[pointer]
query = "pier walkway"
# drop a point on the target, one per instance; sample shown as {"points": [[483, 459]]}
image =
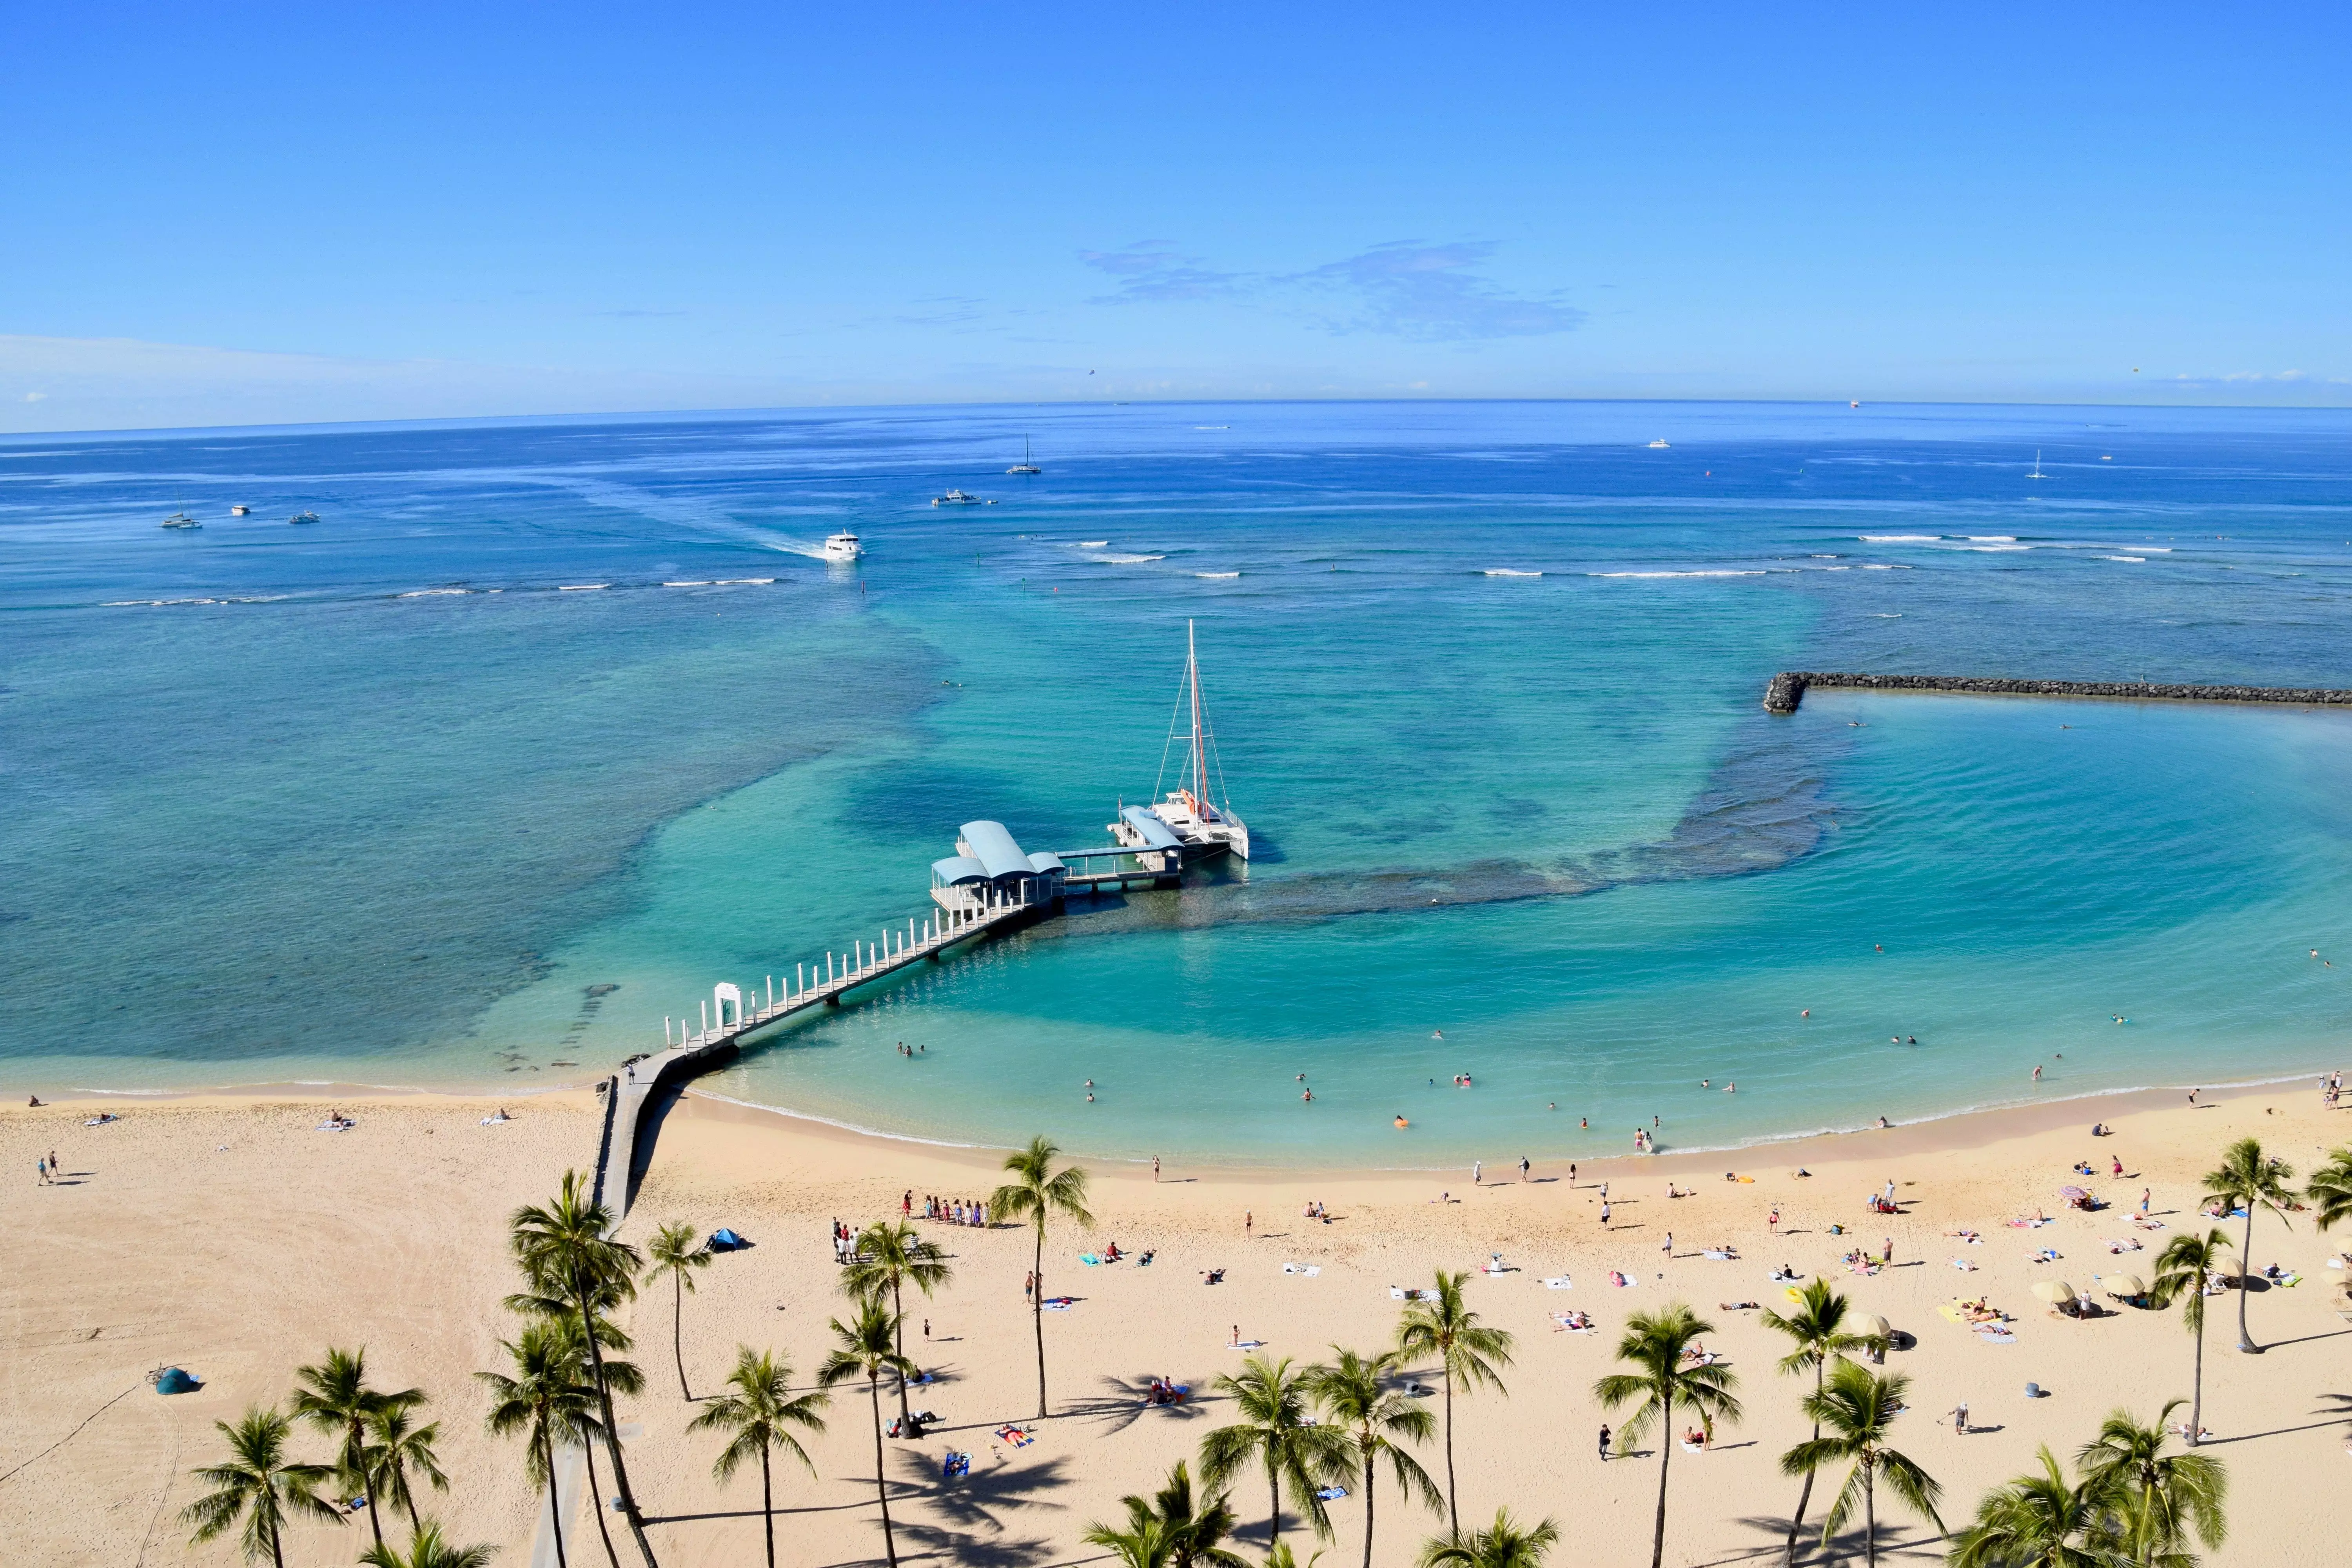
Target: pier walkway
{"points": [[728, 1019]]}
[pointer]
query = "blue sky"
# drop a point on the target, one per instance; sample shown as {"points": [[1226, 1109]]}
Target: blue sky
{"points": [[246, 214]]}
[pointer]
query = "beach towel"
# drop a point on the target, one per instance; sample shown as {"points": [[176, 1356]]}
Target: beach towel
{"points": [[1964, 1265], [1721, 1255], [496, 1120], [1559, 1282], [1088, 1258], [1058, 1303], [1618, 1279], [1405, 1293], [1993, 1335], [955, 1465], [1245, 1344], [1560, 1324], [1332, 1494], [1018, 1436]]}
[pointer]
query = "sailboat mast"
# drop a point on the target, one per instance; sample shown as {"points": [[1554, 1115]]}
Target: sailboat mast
{"points": [[1192, 679]]}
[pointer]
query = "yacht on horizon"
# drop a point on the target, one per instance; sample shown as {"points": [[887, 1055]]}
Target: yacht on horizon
{"points": [[1025, 466], [960, 498], [842, 546], [2037, 473]]}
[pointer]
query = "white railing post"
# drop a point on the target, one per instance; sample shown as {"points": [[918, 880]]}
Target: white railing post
{"points": [[706, 1015]]}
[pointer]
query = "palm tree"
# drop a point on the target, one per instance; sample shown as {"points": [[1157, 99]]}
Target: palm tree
{"points": [[1816, 1330], [623, 1377], [2246, 1175], [758, 1412], [334, 1397], [1037, 1193], [1858, 1406], [891, 1255], [565, 1247], [866, 1347], [1280, 1555], [2168, 1495], [677, 1251], [544, 1399], [1655, 1342], [428, 1549], [394, 1448], [2180, 1272], [258, 1485], [1276, 1431], [1468, 1353], [2040, 1522], [2331, 1188], [1191, 1535], [1144, 1543], [1506, 1545], [1352, 1393]]}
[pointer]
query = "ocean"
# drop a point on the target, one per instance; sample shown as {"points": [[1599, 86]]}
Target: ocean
{"points": [[546, 726]]}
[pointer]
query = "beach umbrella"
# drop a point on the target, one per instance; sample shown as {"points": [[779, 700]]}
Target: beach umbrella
{"points": [[2231, 1268], [2072, 1193], [2054, 1291], [2125, 1285], [1871, 1326]]}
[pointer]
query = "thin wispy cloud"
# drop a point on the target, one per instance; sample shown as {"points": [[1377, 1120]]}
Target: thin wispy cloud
{"points": [[631, 315], [1404, 288], [942, 310]]}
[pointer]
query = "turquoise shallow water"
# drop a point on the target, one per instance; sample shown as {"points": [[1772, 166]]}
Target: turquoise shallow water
{"points": [[313, 816]]}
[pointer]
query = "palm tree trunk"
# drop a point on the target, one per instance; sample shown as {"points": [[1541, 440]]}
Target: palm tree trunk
{"points": [[1452, 1514], [1666, 1457], [2245, 1342], [1805, 1492], [889, 1546], [2197, 1383], [554, 1505], [677, 1331], [357, 1444], [1870, 1515], [1037, 1310], [277, 1553], [898, 1329], [1273, 1504], [767, 1507], [596, 1495], [1368, 1510], [611, 1429]]}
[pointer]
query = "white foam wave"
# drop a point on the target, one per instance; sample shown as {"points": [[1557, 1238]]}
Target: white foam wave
{"points": [[430, 593], [741, 581], [1900, 538], [2136, 560], [1994, 549], [1727, 573], [703, 583], [1991, 538], [1507, 571], [1126, 560], [1217, 577], [580, 587], [1094, 544]]}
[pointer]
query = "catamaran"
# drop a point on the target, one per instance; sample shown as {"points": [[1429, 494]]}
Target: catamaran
{"points": [[1186, 820], [1026, 466], [2037, 473]]}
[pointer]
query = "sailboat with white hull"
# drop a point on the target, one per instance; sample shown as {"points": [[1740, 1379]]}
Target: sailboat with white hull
{"points": [[1188, 820]]}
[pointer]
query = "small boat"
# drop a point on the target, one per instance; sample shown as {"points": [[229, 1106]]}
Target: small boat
{"points": [[1853, 402], [181, 520], [1025, 466], [2037, 473], [1658, 445], [960, 498], [1186, 823], [239, 510], [301, 517], [842, 546]]}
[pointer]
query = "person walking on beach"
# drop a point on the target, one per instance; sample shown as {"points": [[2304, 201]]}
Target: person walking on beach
{"points": [[1886, 1246], [1028, 1285], [1155, 1167], [1249, 1224], [1605, 1214], [1571, 1173], [1960, 1420], [41, 1169], [2144, 1193], [1772, 1220], [1604, 1442], [1669, 1247], [1523, 1167]]}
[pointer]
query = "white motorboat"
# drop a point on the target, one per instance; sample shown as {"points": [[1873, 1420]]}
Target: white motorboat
{"points": [[302, 517], [239, 510], [1198, 827], [842, 546], [960, 498], [1659, 444], [1025, 466]]}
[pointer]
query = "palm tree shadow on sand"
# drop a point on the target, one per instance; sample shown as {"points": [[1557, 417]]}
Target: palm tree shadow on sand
{"points": [[1899, 1543], [964, 1521], [1123, 1401]]}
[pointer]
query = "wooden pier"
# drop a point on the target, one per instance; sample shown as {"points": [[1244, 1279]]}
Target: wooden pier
{"points": [[728, 1018]]}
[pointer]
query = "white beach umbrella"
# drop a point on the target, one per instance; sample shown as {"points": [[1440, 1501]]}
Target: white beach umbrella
{"points": [[2231, 1268], [2125, 1285], [1871, 1326], [2054, 1291]]}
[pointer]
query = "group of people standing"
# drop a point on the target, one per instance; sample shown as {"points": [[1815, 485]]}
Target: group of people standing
{"points": [[946, 1211]]}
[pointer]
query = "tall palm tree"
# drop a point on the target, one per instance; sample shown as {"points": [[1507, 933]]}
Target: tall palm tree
{"points": [[1276, 1431], [1468, 1353], [2180, 1272], [1858, 1406], [1816, 1330], [428, 1548], [394, 1448], [1655, 1342], [1353, 1394], [1192, 1535], [677, 1251], [2040, 1521], [2168, 1496], [2331, 1188], [544, 1399], [623, 1377], [1037, 1193], [759, 1412], [2247, 1175], [867, 1346], [889, 1257], [1280, 1555], [258, 1485], [565, 1247], [1505, 1545], [334, 1397]]}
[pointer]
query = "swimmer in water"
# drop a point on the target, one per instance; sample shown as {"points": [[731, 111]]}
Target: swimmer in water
{"points": [[1308, 1097], [1436, 1034], [2037, 1075], [1806, 1014], [1401, 1122], [1731, 1088]]}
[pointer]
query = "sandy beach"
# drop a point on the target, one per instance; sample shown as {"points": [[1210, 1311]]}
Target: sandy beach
{"points": [[231, 1237]]}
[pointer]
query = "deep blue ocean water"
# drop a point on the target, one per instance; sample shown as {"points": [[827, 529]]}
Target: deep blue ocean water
{"points": [[377, 801]]}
